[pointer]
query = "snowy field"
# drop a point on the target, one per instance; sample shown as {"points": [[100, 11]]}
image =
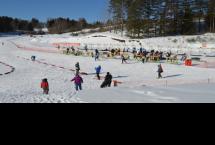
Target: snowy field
{"points": [[3, 69], [139, 82], [197, 45]]}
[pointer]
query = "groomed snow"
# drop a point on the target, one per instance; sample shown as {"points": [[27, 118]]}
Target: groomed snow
{"points": [[139, 80], [199, 93]]}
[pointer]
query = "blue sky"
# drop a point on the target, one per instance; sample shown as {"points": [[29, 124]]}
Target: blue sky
{"points": [[92, 10]]}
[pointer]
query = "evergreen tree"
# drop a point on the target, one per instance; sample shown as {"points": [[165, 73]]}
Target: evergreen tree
{"points": [[187, 21], [163, 17], [210, 17]]}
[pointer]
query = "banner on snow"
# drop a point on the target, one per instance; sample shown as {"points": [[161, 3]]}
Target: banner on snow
{"points": [[66, 44]]}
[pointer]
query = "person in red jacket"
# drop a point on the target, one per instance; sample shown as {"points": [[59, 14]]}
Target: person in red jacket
{"points": [[45, 86]]}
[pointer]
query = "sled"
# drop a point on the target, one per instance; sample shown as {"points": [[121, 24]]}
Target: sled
{"points": [[115, 83]]}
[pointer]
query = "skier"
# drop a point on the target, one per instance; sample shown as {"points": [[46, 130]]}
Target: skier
{"points": [[73, 50], [124, 50], [124, 59], [141, 50], [78, 82], [184, 57], [134, 50], [86, 48], [168, 55], [161, 55], [108, 80], [98, 71], [67, 51], [127, 49], [134, 53], [33, 58], [92, 55], [112, 52], [143, 58], [118, 52], [160, 71], [77, 68], [45, 86], [97, 55]]}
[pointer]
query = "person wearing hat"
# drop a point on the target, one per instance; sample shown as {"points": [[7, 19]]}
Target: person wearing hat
{"points": [[108, 80], [160, 71]]}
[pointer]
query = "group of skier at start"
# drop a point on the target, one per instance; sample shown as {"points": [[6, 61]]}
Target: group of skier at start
{"points": [[78, 80]]}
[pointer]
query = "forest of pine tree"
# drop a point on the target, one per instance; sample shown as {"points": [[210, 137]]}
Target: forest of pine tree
{"points": [[152, 18], [55, 25]]}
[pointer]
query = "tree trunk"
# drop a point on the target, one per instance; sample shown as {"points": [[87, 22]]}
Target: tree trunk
{"points": [[213, 23]]}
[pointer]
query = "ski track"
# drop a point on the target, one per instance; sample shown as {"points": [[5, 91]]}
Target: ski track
{"points": [[7, 69]]}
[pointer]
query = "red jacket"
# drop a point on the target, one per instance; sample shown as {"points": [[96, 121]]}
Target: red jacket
{"points": [[44, 85]]}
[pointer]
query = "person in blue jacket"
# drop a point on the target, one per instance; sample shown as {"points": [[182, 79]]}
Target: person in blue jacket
{"points": [[98, 71]]}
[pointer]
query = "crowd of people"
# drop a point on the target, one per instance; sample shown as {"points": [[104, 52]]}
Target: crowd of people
{"points": [[127, 54]]}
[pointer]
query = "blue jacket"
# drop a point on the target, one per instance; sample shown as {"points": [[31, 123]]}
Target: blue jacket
{"points": [[98, 69]]}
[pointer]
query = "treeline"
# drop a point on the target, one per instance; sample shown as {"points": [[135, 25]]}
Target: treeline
{"points": [[150, 18], [8, 24], [55, 26], [63, 25]]}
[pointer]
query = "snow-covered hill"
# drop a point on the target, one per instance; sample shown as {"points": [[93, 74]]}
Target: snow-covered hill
{"points": [[197, 45]]}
